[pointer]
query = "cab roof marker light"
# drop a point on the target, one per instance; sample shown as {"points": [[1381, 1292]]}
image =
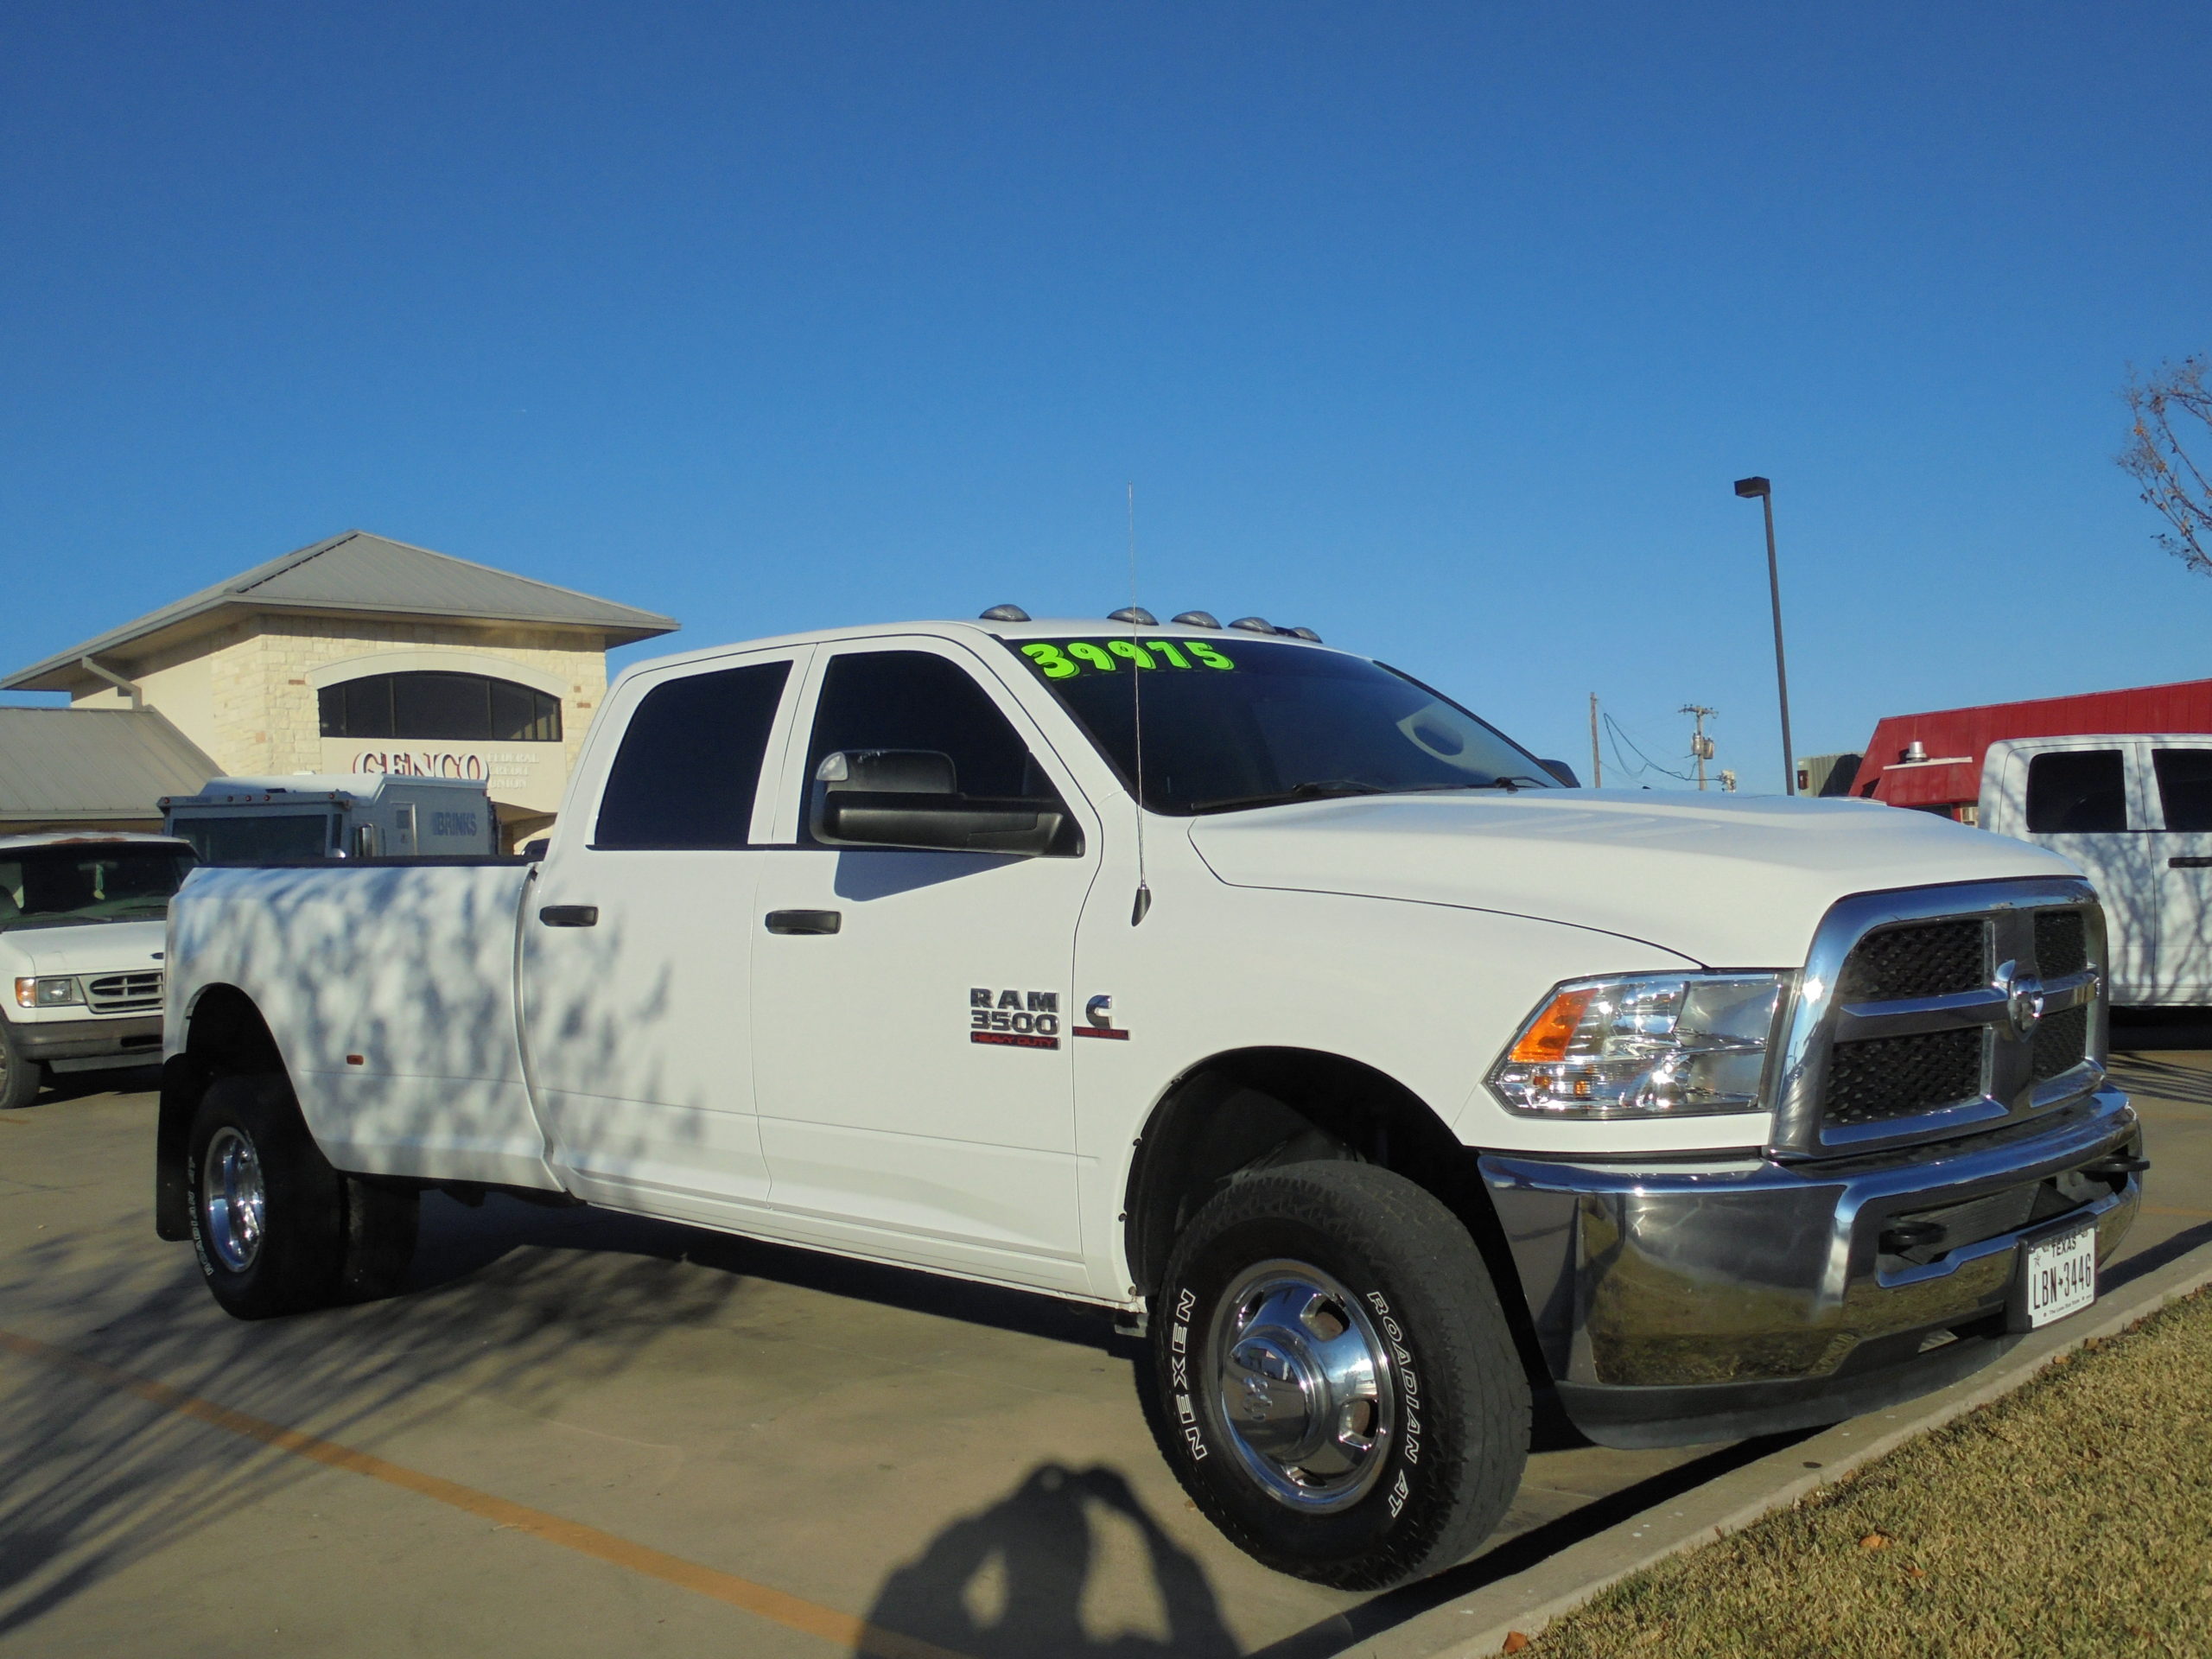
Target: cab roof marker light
{"points": [[1135, 615], [1004, 613], [1254, 625], [1197, 619], [1307, 634]]}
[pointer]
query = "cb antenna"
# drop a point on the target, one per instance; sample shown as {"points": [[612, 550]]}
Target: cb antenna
{"points": [[1136, 703]]}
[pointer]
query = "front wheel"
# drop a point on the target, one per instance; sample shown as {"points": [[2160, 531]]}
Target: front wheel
{"points": [[20, 1077], [1334, 1381]]}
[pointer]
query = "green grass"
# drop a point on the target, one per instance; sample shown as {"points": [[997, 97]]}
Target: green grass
{"points": [[2072, 1516]]}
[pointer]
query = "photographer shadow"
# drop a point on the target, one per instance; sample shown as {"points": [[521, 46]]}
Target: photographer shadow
{"points": [[1009, 1583]]}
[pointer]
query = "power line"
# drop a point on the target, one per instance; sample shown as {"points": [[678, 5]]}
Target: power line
{"points": [[1614, 730]]}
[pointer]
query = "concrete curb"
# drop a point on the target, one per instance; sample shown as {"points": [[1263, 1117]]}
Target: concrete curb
{"points": [[1479, 1624]]}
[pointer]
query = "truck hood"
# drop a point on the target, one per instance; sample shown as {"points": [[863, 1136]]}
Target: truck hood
{"points": [[1727, 881], [85, 948]]}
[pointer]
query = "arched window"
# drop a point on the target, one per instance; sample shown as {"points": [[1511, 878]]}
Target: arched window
{"points": [[457, 708]]}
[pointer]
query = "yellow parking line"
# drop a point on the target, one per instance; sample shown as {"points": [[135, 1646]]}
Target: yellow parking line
{"points": [[792, 1612]]}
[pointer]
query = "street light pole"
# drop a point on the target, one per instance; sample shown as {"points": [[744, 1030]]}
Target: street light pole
{"points": [[1746, 488]]}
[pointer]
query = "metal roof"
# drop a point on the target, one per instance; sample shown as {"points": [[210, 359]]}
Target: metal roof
{"points": [[359, 572], [91, 764]]}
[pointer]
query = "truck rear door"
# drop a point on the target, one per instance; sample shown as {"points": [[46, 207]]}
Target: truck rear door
{"points": [[2181, 866], [910, 1008], [634, 942]]}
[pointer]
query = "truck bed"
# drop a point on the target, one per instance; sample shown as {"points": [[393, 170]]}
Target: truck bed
{"points": [[379, 977]]}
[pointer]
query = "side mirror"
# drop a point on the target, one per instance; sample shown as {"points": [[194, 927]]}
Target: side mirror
{"points": [[1562, 770], [911, 798]]}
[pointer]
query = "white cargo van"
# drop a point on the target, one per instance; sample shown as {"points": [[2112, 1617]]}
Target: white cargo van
{"points": [[2133, 810], [334, 814]]}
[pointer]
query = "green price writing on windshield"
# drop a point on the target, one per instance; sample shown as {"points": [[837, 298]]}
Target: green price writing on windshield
{"points": [[1065, 660]]}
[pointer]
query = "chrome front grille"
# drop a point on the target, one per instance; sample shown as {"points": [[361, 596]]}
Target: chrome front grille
{"points": [[1898, 1076], [124, 993], [1919, 959], [1932, 1012]]}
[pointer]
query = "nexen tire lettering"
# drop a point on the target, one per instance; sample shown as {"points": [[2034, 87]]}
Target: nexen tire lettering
{"points": [[1179, 1341]]}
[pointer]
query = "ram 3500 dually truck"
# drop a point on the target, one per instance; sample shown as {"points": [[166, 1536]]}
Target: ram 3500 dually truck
{"points": [[1385, 1082]]}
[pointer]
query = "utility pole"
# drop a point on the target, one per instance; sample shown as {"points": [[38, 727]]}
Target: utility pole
{"points": [[1597, 759], [1701, 745]]}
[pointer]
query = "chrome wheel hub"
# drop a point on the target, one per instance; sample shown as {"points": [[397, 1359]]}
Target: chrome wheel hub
{"points": [[232, 1199], [1301, 1385]]}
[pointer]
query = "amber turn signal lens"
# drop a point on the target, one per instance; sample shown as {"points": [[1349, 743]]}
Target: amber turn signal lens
{"points": [[1550, 1033]]}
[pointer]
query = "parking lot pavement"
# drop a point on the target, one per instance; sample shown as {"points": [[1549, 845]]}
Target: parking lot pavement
{"points": [[580, 1431]]}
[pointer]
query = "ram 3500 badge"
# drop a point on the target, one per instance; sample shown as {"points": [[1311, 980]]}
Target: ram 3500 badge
{"points": [[1432, 1084]]}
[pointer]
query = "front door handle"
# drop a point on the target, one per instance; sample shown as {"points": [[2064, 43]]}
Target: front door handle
{"points": [[569, 915], [2189, 863], [804, 921]]}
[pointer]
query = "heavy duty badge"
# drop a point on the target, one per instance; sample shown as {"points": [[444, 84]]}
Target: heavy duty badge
{"points": [[1014, 1019]]}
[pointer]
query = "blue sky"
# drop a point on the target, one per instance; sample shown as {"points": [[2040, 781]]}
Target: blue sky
{"points": [[1441, 329]]}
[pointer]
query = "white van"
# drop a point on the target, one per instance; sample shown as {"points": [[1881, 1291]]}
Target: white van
{"points": [[82, 918], [2133, 810], [334, 814]]}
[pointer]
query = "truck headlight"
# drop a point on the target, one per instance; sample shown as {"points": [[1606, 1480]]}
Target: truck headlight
{"points": [[1643, 1045], [48, 993]]}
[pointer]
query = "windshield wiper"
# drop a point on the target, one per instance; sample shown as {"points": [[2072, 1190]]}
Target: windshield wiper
{"points": [[1315, 790]]}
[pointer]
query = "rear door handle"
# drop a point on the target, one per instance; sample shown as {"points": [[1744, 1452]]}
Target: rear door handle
{"points": [[804, 921], [569, 915], [2189, 863]]}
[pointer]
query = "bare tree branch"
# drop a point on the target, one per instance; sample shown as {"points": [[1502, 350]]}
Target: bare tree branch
{"points": [[2169, 480]]}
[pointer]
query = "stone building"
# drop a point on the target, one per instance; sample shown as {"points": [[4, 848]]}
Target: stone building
{"points": [[363, 654]]}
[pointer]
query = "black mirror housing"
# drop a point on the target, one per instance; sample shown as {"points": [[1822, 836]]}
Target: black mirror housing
{"points": [[910, 798]]}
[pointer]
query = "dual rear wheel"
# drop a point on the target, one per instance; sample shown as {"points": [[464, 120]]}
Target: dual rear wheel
{"points": [[276, 1229]]}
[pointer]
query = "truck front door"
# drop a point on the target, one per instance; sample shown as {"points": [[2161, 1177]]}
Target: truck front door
{"points": [[909, 1008]]}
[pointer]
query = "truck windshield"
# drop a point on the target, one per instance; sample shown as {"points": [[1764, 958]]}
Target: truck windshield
{"points": [[256, 838], [62, 886], [1232, 724]]}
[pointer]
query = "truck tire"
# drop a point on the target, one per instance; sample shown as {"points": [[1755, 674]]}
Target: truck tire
{"points": [[20, 1077], [267, 1210], [1333, 1379]]}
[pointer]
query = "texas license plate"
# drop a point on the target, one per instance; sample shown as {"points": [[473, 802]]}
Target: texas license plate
{"points": [[2061, 1274]]}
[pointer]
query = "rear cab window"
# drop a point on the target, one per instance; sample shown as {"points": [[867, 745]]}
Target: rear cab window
{"points": [[688, 772], [2077, 791]]}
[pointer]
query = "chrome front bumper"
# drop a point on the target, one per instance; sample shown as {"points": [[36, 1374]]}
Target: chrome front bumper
{"points": [[1676, 1303]]}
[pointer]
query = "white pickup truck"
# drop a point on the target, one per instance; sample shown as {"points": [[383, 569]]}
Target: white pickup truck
{"points": [[1388, 1084], [2133, 812]]}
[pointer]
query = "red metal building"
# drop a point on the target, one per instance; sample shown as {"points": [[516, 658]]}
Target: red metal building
{"points": [[1933, 761]]}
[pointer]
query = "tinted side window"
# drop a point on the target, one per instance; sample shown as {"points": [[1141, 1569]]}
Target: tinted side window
{"points": [[912, 700], [2185, 786], [690, 763], [2082, 791]]}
